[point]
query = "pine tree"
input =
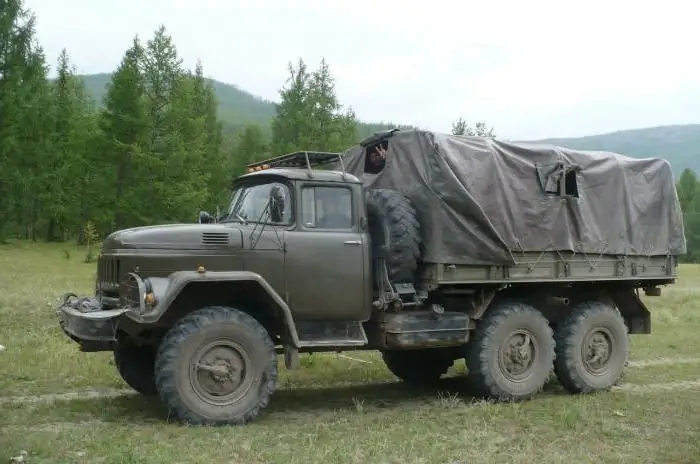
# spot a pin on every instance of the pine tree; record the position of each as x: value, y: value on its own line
x: 208, y: 137
x: 291, y: 125
x: 460, y: 127
x: 309, y: 116
x: 177, y: 141
x: 34, y: 142
x: 251, y: 146
x: 21, y: 72
x: 162, y: 77
x: 67, y: 184
x: 332, y: 129
x: 124, y: 133
x: 688, y: 190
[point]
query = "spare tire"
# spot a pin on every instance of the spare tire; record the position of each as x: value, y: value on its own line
x: 395, y: 232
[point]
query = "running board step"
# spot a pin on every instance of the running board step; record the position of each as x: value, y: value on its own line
x: 312, y: 334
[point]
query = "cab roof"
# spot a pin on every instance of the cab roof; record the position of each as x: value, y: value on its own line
x: 304, y: 174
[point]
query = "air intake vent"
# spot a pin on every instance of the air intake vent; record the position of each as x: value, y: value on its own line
x: 215, y: 238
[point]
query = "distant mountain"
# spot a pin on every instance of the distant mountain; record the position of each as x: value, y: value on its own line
x: 679, y: 144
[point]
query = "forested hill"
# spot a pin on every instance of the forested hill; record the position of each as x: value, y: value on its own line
x: 679, y: 144
x: 237, y: 108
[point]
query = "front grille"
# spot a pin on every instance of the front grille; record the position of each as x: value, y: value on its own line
x: 108, y: 271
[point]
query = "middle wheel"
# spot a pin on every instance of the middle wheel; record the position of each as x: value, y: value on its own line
x: 418, y: 367
x: 511, y: 353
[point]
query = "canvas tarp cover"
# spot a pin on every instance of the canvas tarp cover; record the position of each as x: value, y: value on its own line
x: 483, y: 201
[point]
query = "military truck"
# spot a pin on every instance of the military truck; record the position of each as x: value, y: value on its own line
x: 430, y: 248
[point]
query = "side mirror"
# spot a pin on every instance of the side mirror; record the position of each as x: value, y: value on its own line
x: 205, y: 218
x: 276, y: 204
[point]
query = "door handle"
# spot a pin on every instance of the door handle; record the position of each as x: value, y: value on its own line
x: 353, y: 242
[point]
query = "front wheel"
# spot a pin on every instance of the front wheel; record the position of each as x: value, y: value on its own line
x: 135, y: 364
x: 592, y: 348
x: 511, y: 353
x: 216, y: 366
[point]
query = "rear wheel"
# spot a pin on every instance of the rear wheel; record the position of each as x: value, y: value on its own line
x: 592, y: 348
x: 418, y: 367
x: 216, y: 366
x: 511, y: 353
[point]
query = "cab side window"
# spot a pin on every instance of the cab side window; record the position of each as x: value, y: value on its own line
x: 327, y: 207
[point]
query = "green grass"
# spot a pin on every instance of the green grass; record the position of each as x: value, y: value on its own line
x: 335, y: 410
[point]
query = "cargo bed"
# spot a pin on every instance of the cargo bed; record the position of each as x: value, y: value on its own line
x: 558, y: 267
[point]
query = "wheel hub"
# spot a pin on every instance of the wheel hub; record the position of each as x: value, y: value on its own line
x: 597, y: 350
x: 218, y: 373
x: 517, y: 355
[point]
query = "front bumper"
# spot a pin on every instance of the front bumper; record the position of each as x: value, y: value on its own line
x: 86, y: 323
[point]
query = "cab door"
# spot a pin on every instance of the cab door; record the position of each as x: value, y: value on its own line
x: 327, y: 268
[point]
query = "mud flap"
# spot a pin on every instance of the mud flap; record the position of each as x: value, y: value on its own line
x: 634, y: 311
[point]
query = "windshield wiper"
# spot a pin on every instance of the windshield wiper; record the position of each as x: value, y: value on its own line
x: 234, y: 217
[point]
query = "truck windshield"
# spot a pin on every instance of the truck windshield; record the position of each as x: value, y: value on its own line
x: 249, y: 203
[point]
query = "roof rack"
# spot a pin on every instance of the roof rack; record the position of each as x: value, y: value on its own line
x: 299, y: 159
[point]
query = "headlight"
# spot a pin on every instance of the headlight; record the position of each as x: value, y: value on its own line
x: 149, y: 298
x: 155, y: 289
x: 142, y: 294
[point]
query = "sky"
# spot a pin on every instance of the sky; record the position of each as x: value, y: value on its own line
x: 530, y: 69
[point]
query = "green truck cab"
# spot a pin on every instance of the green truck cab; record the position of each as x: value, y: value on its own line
x: 415, y: 253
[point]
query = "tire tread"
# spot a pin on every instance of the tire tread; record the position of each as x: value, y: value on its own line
x: 404, y: 241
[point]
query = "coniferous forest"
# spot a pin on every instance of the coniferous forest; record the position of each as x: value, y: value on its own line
x: 154, y: 149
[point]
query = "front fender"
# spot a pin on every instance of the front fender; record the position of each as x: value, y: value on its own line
x: 167, y: 289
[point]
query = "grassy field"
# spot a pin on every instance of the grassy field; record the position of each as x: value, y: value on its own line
x: 60, y: 405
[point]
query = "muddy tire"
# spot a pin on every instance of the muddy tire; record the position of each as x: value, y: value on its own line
x: 395, y: 232
x: 216, y: 366
x: 511, y: 353
x: 136, y: 366
x: 418, y: 367
x: 592, y: 348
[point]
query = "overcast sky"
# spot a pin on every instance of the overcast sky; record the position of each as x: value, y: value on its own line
x: 531, y: 69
